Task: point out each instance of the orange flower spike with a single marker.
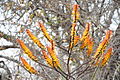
(106, 57)
(107, 38)
(90, 47)
(54, 57)
(103, 44)
(24, 62)
(75, 7)
(45, 31)
(52, 54)
(76, 39)
(23, 46)
(47, 59)
(108, 34)
(86, 31)
(85, 42)
(35, 39)
(26, 50)
(75, 13)
(33, 57)
(28, 67)
(53, 45)
(73, 33)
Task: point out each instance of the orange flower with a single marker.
(54, 57)
(28, 67)
(35, 39)
(75, 7)
(52, 53)
(73, 32)
(45, 31)
(103, 59)
(103, 44)
(75, 13)
(53, 45)
(47, 59)
(106, 57)
(90, 47)
(108, 34)
(85, 42)
(27, 50)
(86, 31)
(76, 39)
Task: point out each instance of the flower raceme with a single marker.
(54, 57)
(47, 58)
(73, 31)
(86, 40)
(28, 67)
(90, 44)
(86, 32)
(35, 39)
(87, 43)
(90, 48)
(75, 13)
(103, 59)
(43, 29)
(52, 53)
(72, 35)
(27, 50)
(103, 44)
(76, 39)
(106, 57)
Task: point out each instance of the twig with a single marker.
(11, 59)
(93, 76)
(78, 68)
(83, 71)
(7, 47)
(68, 62)
(116, 71)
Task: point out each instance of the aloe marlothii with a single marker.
(28, 66)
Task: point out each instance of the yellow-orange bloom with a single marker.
(27, 50)
(52, 53)
(89, 47)
(85, 42)
(45, 31)
(103, 44)
(75, 13)
(86, 31)
(54, 57)
(35, 39)
(108, 34)
(106, 57)
(47, 59)
(75, 7)
(28, 67)
(73, 33)
(76, 39)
